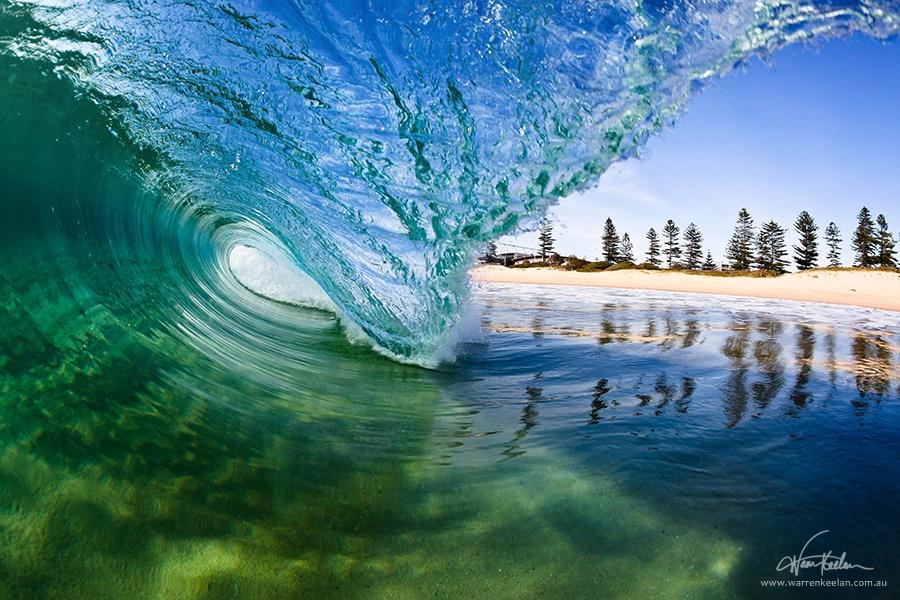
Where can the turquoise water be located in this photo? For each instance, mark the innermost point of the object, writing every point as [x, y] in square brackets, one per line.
[589, 443]
[166, 431]
[378, 146]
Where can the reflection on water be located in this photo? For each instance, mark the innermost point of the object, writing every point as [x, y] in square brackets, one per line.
[806, 343]
[722, 417]
[601, 443]
[736, 396]
[758, 353]
[534, 395]
[872, 365]
[598, 403]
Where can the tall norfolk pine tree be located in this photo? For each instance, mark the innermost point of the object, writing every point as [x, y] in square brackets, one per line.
[864, 241]
[872, 241]
[833, 239]
[611, 242]
[771, 248]
[490, 253]
[653, 248]
[886, 243]
[545, 238]
[627, 248]
[693, 247]
[672, 249]
[740, 248]
[806, 252]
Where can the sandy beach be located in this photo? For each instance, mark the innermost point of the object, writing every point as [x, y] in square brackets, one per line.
[869, 289]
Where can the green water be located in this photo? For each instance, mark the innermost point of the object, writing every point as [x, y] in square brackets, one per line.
[649, 451]
[164, 432]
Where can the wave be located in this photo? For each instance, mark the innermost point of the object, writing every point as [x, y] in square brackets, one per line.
[378, 147]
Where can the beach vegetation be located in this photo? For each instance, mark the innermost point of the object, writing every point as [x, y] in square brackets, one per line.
[627, 248]
[693, 247]
[840, 269]
[647, 266]
[757, 251]
[672, 248]
[621, 265]
[864, 241]
[756, 273]
[653, 250]
[595, 266]
[806, 251]
[771, 248]
[545, 238]
[573, 263]
[886, 252]
[740, 247]
[611, 242]
[833, 240]
[490, 254]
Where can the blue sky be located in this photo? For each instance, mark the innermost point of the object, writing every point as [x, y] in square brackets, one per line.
[818, 128]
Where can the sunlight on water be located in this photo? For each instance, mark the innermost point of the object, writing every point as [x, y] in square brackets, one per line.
[169, 429]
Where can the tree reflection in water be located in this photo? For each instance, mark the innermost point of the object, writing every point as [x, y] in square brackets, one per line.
[736, 394]
[872, 358]
[669, 361]
[806, 344]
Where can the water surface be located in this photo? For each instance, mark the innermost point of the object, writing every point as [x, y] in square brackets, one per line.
[166, 432]
[589, 443]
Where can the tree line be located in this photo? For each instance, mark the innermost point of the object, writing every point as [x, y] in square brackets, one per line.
[764, 248]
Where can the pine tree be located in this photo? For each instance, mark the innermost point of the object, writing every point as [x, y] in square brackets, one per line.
[886, 243]
[693, 247]
[627, 248]
[806, 252]
[709, 264]
[833, 239]
[611, 242]
[740, 248]
[490, 253]
[864, 240]
[545, 238]
[653, 249]
[672, 249]
[771, 248]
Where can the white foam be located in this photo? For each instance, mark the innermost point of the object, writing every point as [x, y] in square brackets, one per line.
[466, 330]
[275, 277]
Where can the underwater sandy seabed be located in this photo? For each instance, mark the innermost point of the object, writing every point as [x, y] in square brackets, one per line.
[604, 443]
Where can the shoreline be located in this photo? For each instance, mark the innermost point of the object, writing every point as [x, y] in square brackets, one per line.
[866, 289]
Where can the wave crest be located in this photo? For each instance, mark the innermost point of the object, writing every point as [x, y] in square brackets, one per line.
[381, 146]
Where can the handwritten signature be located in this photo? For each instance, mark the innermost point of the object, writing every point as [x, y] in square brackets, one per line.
[824, 562]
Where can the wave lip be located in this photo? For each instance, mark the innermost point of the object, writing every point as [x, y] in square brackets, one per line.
[383, 145]
[275, 277]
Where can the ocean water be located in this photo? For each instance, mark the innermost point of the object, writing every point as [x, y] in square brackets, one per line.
[377, 145]
[233, 235]
[587, 443]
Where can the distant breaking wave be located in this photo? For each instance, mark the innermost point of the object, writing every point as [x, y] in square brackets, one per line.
[379, 146]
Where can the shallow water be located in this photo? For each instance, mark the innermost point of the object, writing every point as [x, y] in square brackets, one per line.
[589, 443]
[166, 432]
